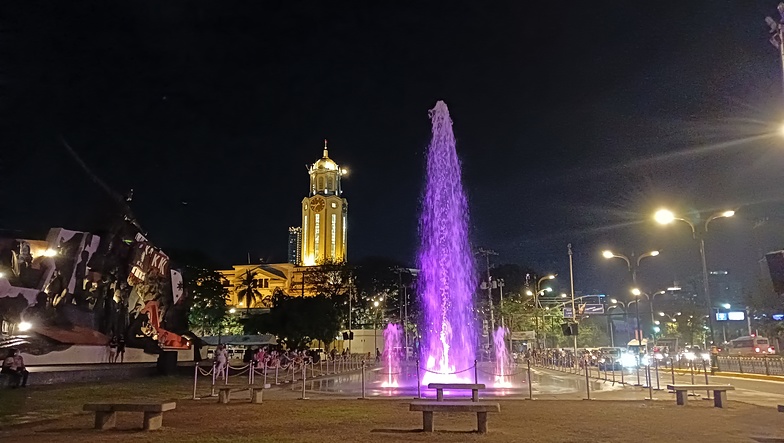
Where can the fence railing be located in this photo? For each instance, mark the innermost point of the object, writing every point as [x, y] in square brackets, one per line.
[767, 365]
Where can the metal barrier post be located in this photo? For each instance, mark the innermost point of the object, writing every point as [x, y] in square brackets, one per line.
[214, 377]
[650, 385]
[195, 377]
[612, 365]
[637, 368]
[706, 379]
[226, 375]
[672, 370]
[276, 373]
[321, 366]
[587, 384]
[656, 367]
[312, 370]
[530, 386]
[765, 359]
[250, 373]
[265, 373]
[363, 379]
[419, 389]
[476, 376]
[605, 370]
[304, 374]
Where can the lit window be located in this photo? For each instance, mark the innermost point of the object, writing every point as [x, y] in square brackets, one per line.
[332, 246]
[305, 236]
[334, 205]
[317, 239]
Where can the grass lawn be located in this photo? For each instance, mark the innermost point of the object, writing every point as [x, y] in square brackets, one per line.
[323, 419]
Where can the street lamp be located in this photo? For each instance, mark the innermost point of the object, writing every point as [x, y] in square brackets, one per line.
[665, 217]
[631, 262]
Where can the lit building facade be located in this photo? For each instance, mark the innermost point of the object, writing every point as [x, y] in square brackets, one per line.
[295, 245]
[324, 214]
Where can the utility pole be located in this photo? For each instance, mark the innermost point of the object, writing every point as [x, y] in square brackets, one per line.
[571, 281]
[487, 253]
[777, 34]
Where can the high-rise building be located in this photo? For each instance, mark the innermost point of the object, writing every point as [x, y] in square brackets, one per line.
[295, 245]
[324, 214]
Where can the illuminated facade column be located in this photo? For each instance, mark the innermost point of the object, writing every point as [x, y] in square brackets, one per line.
[324, 214]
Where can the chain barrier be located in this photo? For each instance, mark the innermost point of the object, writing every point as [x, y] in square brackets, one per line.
[448, 373]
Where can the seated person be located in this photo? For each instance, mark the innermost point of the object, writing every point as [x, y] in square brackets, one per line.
[14, 366]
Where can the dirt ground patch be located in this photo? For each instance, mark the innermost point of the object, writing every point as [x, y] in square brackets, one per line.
[282, 418]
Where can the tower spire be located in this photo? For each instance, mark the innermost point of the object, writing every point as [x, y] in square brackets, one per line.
[326, 152]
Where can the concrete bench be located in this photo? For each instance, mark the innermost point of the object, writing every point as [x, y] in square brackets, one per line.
[428, 407]
[781, 408]
[106, 413]
[719, 393]
[224, 392]
[439, 387]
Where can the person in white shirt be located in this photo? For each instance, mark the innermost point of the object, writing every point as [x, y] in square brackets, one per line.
[14, 366]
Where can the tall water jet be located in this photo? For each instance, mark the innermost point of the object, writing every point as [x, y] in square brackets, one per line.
[502, 362]
[447, 280]
[392, 349]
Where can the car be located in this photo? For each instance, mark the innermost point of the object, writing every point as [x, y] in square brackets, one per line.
[610, 359]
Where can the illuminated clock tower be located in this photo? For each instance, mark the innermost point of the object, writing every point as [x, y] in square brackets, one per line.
[324, 214]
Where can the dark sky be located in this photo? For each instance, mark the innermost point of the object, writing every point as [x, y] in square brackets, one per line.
[574, 120]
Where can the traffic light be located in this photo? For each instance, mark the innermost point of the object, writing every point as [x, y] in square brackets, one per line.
[348, 335]
[569, 329]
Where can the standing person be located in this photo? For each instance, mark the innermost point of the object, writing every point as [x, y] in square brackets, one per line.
[221, 359]
[378, 355]
[113, 349]
[14, 366]
[121, 348]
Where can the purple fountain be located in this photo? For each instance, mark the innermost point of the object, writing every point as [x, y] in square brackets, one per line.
[502, 374]
[447, 279]
[393, 343]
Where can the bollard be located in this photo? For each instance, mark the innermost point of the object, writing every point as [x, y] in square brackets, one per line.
[321, 367]
[276, 374]
[214, 378]
[226, 374]
[622, 382]
[304, 368]
[476, 376]
[612, 365]
[312, 370]
[419, 389]
[363, 379]
[705, 370]
[250, 373]
[605, 370]
[637, 368]
[587, 384]
[650, 385]
[656, 367]
[530, 385]
[265, 373]
[195, 377]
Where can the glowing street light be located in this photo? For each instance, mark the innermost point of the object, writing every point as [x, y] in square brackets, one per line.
[24, 326]
[726, 306]
[665, 216]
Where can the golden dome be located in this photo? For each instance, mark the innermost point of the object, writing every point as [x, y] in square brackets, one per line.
[325, 162]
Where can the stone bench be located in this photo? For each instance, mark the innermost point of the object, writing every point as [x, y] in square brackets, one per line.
[781, 408]
[480, 408]
[439, 387]
[106, 413]
[224, 393]
[719, 393]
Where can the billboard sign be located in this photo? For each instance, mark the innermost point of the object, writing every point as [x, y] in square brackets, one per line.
[736, 315]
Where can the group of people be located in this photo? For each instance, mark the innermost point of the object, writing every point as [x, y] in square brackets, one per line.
[263, 356]
[13, 366]
[117, 349]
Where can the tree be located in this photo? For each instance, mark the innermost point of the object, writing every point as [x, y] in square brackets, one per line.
[247, 290]
[207, 298]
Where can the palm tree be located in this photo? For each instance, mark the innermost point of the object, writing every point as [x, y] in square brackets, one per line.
[248, 292]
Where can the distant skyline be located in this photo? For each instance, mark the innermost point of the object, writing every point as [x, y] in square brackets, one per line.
[574, 123]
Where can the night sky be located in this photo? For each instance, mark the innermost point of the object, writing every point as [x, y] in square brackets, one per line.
[574, 120]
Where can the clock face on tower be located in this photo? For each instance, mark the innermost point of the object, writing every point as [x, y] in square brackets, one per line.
[317, 204]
